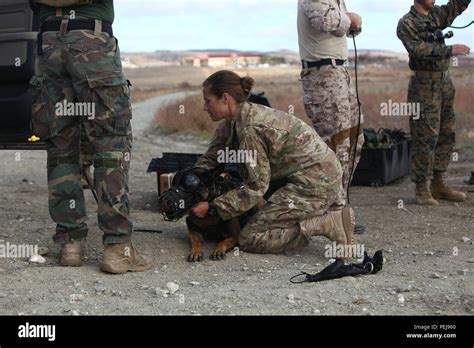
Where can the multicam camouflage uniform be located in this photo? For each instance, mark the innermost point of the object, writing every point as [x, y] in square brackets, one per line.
[84, 66]
[330, 100]
[433, 133]
[289, 151]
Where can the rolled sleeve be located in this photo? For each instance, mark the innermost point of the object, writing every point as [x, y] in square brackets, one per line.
[327, 17]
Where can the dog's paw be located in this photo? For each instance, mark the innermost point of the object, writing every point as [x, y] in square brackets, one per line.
[218, 255]
[196, 256]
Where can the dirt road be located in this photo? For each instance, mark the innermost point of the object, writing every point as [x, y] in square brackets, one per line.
[429, 267]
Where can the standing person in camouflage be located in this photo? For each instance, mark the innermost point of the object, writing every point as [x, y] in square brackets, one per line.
[79, 83]
[273, 147]
[431, 86]
[330, 100]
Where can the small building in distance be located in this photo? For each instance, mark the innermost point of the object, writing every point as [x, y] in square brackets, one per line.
[221, 60]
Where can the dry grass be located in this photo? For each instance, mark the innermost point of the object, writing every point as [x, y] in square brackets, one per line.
[185, 116]
[165, 77]
[281, 85]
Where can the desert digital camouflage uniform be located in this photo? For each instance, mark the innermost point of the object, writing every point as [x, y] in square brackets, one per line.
[84, 66]
[288, 151]
[433, 133]
[329, 98]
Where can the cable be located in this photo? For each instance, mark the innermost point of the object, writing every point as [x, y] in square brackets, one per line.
[356, 141]
[464, 27]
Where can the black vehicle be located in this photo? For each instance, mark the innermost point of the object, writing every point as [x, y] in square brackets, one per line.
[18, 32]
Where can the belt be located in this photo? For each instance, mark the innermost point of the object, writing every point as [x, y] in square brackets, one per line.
[72, 24]
[76, 24]
[318, 64]
[432, 74]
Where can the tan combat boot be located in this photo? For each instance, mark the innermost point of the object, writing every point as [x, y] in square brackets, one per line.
[71, 254]
[423, 194]
[440, 190]
[123, 258]
[337, 226]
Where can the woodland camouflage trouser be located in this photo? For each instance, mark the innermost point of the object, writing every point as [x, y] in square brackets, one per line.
[83, 68]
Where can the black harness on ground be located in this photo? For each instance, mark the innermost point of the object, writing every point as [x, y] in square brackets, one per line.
[338, 270]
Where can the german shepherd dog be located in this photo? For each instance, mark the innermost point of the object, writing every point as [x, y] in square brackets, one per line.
[188, 190]
[213, 228]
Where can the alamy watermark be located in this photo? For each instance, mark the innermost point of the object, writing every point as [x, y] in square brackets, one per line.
[66, 108]
[237, 156]
[398, 109]
[17, 251]
[342, 251]
[37, 331]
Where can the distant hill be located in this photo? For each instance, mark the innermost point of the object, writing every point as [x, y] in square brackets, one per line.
[166, 57]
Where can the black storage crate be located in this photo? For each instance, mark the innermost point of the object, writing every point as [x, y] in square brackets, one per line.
[378, 167]
[172, 162]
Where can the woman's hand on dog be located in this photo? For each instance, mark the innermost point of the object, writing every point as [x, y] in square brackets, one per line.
[200, 210]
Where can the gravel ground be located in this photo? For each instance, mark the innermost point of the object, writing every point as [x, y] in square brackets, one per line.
[429, 253]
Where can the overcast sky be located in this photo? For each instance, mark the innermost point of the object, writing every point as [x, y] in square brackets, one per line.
[261, 25]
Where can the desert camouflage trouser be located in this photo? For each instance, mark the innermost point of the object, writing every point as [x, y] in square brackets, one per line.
[83, 68]
[433, 133]
[331, 104]
[275, 228]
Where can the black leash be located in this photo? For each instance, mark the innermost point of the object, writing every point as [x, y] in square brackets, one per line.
[464, 27]
[360, 119]
[89, 183]
[94, 193]
[147, 230]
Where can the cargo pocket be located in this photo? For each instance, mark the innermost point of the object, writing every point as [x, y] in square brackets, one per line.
[42, 118]
[111, 98]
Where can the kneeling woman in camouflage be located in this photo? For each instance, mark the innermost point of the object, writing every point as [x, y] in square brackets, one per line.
[283, 160]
